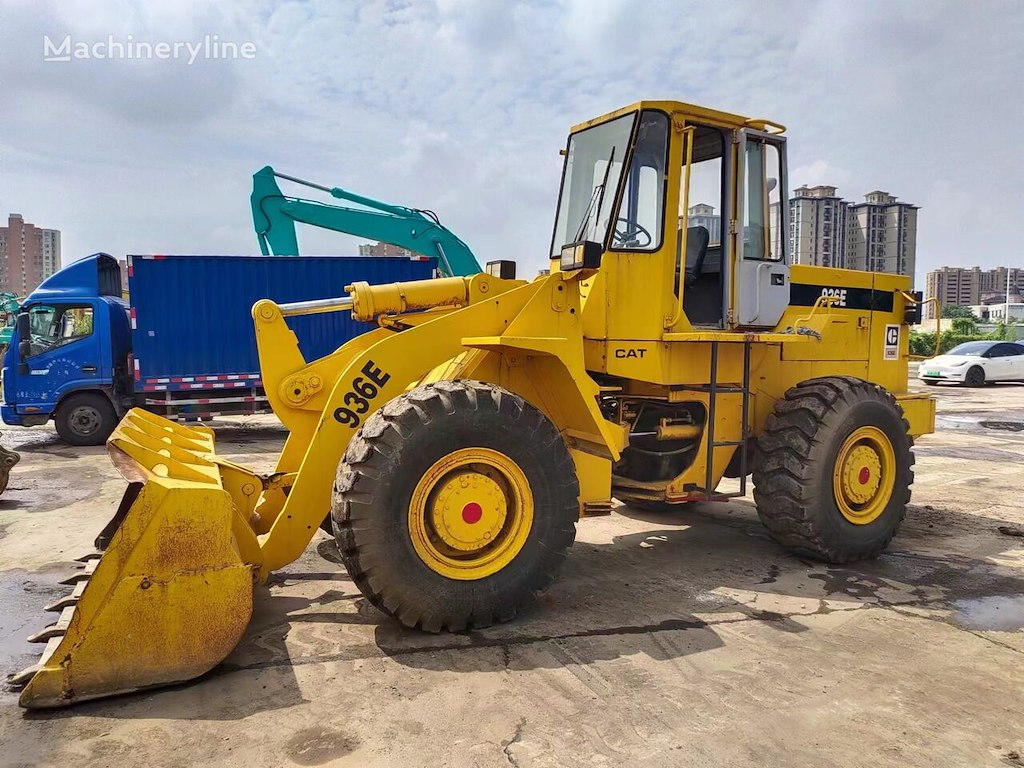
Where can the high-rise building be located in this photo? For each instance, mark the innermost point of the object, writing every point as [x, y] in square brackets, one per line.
[383, 249]
[703, 215]
[971, 286]
[817, 226]
[881, 234]
[28, 255]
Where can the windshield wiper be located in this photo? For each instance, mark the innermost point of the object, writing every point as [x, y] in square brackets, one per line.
[597, 195]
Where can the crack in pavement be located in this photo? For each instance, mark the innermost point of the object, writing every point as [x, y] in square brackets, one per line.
[516, 738]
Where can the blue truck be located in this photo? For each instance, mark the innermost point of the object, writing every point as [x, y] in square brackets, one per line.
[182, 345]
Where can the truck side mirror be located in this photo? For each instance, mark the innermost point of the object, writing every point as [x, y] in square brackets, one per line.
[23, 327]
[24, 341]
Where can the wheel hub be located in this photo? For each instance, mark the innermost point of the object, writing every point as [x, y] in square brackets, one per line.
[84, 420]
[468, 510]
[864, 475]
[471, 513]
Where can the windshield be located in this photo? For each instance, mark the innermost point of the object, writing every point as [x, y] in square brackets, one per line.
[52, 327]
[971, 348]
[593, 166]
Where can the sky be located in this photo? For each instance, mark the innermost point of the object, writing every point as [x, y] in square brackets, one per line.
[461, 107]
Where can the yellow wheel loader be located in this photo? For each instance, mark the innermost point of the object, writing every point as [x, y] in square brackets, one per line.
[453, 449]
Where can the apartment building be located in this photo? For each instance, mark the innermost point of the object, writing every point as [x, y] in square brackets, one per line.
[881, 234]
[817, 227]
[971, 286]
[28, 255]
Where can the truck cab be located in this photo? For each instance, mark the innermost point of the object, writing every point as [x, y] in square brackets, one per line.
[65, 360]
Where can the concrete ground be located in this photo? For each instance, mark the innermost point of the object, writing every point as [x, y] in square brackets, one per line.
[669, 640]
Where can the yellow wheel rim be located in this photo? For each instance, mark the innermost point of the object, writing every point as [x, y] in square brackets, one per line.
[470, 514]
[865, 475]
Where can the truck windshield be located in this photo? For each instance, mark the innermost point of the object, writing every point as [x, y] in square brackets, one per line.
[593, 166]
[53, 327]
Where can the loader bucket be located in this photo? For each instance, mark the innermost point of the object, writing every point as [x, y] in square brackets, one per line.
[7, 461]
[171, 593]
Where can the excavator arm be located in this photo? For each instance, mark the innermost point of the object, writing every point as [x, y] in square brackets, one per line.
[274, 215]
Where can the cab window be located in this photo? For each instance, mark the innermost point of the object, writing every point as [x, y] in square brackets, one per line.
[763, 237]
[640, 222]
[56, 326]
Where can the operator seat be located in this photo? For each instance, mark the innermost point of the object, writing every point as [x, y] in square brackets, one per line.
[697, 239]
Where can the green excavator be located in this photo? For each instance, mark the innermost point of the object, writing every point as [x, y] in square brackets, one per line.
[274, 215]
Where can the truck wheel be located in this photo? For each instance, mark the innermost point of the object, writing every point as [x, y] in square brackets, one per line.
[833, 471]
[85, 419]
[454, 505]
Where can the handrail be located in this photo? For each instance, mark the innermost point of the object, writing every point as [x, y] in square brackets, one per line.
[822, 300]
[768, 126]
[689, 132]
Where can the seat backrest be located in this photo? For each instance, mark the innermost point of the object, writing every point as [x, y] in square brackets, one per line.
[697, 239]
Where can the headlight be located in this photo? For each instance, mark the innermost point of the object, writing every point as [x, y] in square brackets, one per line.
[960, 364]
[584, 254]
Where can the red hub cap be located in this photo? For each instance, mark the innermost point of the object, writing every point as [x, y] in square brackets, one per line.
[471, 513]
[865, 475]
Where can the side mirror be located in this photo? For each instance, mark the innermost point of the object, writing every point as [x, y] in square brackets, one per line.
[24, 341]
[23, 327]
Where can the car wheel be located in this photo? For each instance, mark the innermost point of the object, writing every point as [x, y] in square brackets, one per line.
[975, 377]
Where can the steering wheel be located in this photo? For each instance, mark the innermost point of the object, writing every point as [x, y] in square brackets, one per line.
[629, 232]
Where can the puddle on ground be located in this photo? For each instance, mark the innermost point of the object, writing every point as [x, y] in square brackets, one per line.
[23, 594]
[995, 613]
[978, 421]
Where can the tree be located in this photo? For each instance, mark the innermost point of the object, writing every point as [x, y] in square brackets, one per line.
[965, 326]
[922, 344]
[952, 310]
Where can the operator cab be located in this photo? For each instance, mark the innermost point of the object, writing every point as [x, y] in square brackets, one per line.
[696, 191]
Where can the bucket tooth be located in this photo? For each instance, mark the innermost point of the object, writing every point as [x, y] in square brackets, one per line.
[71, 599]
[57, 629]
[21, 679]
[88, 557]
[83, 575]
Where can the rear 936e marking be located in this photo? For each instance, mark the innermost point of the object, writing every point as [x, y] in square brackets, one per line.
[362, 390]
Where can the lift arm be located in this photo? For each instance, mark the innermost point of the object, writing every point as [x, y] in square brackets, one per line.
[274, 215]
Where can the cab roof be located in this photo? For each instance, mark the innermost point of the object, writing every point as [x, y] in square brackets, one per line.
[688, 111]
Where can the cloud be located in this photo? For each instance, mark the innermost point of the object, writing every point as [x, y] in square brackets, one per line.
[461, 107]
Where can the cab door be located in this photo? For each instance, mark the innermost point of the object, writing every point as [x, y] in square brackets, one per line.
[760, 276]
[64, 353]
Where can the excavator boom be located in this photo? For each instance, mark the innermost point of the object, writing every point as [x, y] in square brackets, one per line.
[274, 215]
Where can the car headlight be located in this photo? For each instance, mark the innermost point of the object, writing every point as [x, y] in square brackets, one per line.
[960, 364]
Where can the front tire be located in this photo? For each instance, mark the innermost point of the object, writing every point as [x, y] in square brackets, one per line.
[454, 505]
[833, 469]
[975, 377]
[85, 419]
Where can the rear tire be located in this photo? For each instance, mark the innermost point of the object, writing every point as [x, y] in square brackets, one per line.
[833, 469]
[975, 377]
[85, 419]
[403, 475]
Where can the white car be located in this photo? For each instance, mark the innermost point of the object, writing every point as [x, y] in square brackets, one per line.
[976, 363]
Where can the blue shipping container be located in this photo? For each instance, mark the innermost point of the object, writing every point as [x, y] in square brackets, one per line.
[191, 314]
